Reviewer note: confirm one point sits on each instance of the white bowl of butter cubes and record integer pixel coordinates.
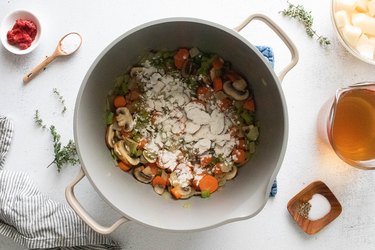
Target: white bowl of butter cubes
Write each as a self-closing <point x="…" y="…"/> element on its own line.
<point x="355" y="24"/>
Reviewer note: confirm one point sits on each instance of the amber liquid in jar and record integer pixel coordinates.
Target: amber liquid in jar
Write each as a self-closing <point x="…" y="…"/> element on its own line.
<point x="353" y="127"/>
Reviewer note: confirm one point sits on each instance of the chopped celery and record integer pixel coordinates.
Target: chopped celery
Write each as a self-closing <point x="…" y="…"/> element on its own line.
<point x="251" y="147"/>
<point x="137" y="136"/>
<point x="109" y="118"/>
<point x="205" y="194"/>
<point x="204" y="67"/>
<point x="253" y="133"/>
<point x="247" y="117"/>
<point x="114" y="156"/>
<point x="194" y="52"/>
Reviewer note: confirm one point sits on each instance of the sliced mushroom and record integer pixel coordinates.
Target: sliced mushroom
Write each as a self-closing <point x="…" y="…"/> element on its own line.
<point x="230" y="175"/>
<point x="226" y="167"/>
<point x="122" y="153"/>
<point x="110" y="136"/>
<point x="159" y="189"/>
<point x="143" y="175"/>
<point x="149" y="156"/>
<point x="235" y="89"/>
<point x="186" y="192"/>
<point x="240" y="84"/>
<point x="124" y="119"/>
<point x="189" y="68"/>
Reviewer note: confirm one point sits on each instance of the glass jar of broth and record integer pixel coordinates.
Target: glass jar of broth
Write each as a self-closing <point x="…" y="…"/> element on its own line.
<point x="347" y="123"/>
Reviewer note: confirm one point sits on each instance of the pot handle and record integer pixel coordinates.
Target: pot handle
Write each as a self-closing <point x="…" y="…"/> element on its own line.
<point x="283" y="36"/>
<point x="81" y="212"/>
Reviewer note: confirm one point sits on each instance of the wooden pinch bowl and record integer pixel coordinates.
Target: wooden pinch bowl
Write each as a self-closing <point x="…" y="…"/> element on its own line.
<point x="303" y="197"/>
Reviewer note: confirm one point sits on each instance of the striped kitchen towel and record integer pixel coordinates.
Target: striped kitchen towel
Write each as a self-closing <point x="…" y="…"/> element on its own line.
<point x="32" y="219"/>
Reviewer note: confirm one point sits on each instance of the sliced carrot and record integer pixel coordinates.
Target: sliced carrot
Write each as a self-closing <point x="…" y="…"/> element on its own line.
<point x="176" y="194"/>
<point x="218" y="84"/>
<point x="217" y="169"/>
<point x="154" y="168"/>
<point x="232" y="76"/>
<point x="142" y="143"/>
<point x="242" y="144"/>
<point x="119" y="101"/>
<point x="158" y="180"/>
<point x="180" y="58"/>
<point x="123" y="166"/>
<point x="205" y="160"/>
<point x="202" y="90"/>
<point x="249" y="104"/>
<point x="225" y="104"/>
<point x="208" y="183"/>
<point x="217" y="62"/>
<point x="239" y="155"/>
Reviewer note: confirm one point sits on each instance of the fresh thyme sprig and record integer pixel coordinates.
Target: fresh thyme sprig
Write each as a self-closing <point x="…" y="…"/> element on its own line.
<point x="61" y="99"/>
<point x="305" y="17"/>
<point x="39" y="120"/>
<point x="63" y="154"/>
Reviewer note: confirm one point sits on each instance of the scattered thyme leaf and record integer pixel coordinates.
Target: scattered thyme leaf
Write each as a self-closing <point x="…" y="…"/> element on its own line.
<point x="305" y="17"/>
<point x="39" y="120"/>
<point x="63" y="154"/>
<point x="61" y="99"/>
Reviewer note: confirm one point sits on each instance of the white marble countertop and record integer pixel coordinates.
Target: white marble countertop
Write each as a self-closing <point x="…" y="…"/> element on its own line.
<point x="314" y="79"/>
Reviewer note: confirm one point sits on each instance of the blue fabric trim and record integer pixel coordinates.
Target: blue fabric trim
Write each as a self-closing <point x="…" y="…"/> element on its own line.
<point x="267" y="52"/>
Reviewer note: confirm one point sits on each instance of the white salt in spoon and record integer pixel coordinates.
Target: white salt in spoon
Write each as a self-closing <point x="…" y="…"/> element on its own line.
<point x="67" y="45"/>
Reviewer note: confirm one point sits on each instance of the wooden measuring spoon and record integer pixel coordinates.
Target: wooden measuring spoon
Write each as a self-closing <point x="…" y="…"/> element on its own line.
<point x="67" y="45"/>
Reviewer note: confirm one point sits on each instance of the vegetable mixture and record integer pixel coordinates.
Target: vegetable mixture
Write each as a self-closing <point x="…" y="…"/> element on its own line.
<point x="182" y="121"/>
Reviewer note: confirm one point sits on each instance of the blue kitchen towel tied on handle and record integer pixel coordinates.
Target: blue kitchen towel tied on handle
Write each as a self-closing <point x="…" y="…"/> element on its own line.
<point x="267" y="52"/>
<point x="35" y="221"/>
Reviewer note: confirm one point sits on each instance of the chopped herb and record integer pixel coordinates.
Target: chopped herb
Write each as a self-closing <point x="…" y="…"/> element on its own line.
<point x="121" y="85"/>
<point x="63" y="154"/>
<point x="61" y="99"/>
<point x="305" y="17"/>
<point x="39" y="120"/>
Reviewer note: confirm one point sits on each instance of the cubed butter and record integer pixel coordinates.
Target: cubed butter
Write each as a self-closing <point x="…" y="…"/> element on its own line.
<point x="361" y="5"/>
<point x="342" y="19"/>
<point x="371" y="40"/>
<point x="366" y="50"/>
<point x="351" y="34"/>
<point x="371" y="8"/>
<point x="363" y="39"/>
<point x="358" y="19"/>
<point x="365" y="22"/>
<point x="348" y="5"/>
